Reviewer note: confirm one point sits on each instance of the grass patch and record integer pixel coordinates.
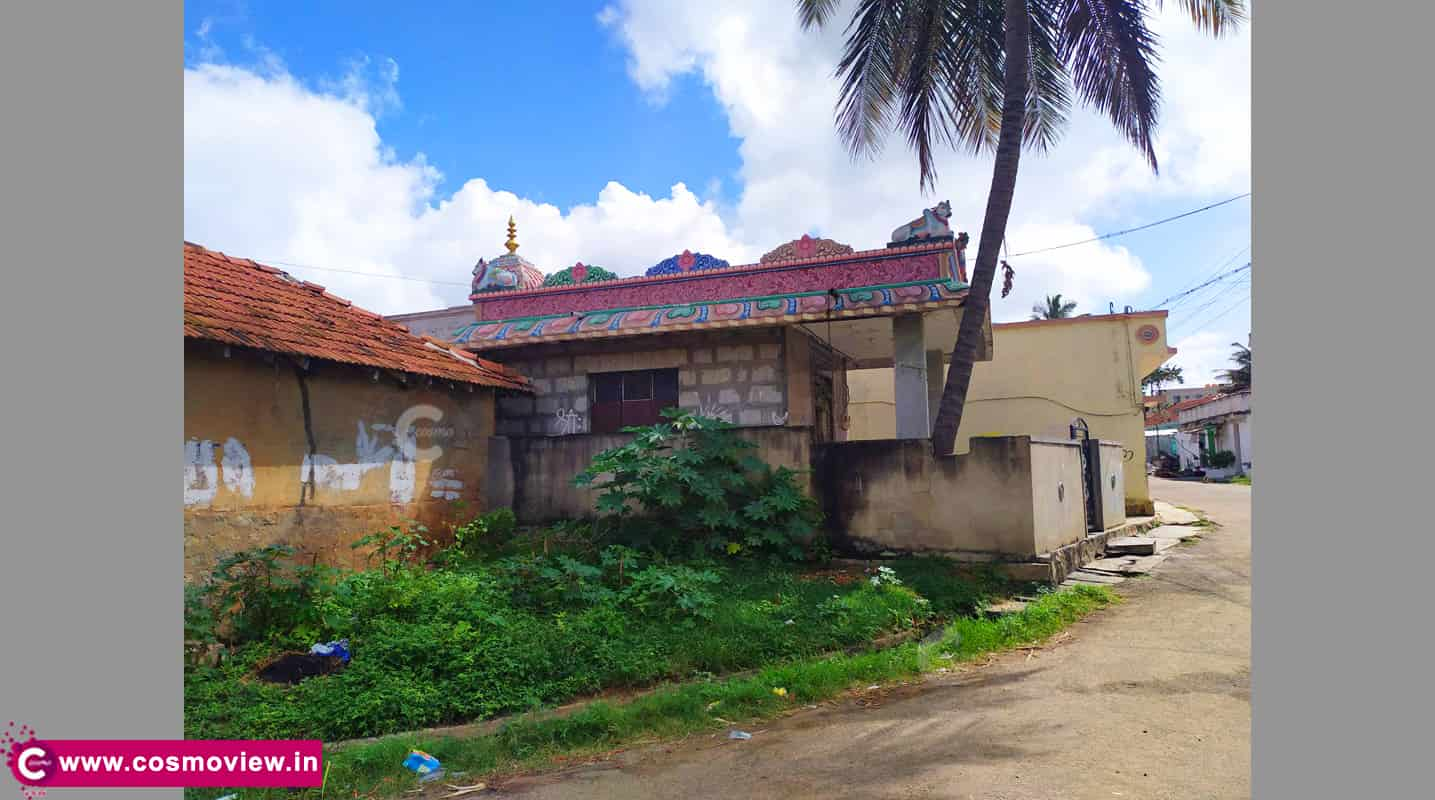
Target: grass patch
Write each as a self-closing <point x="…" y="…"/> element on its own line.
<point x="698" y="707"/>
<point x="488" y="638"/>
<point x="1241" y="480"/>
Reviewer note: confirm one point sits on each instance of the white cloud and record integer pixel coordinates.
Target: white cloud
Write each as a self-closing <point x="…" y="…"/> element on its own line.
<point x="1204" y="355"/>
<point x="775" y="83"/>
<point x="278" y="170"/>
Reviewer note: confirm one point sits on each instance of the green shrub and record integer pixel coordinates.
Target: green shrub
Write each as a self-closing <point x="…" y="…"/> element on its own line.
<point x="1220" y="459"/>
<point x="671" y="591"/>
<point x="261" y="594"/>
<point x="395" y="547"/>
<point x="486" y="534"/>
<point x="691" y="484"/>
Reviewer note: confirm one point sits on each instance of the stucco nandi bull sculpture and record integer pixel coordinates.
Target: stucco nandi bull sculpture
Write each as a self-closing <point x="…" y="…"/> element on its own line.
<point x="931" y="225"/>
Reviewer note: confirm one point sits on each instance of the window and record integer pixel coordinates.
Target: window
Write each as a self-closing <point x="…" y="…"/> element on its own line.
<point x="621" y="399"/>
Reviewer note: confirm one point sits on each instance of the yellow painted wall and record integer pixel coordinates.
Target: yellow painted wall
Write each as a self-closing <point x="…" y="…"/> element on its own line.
<point x="1041" y="377"/>
<point x="246" y="440"/>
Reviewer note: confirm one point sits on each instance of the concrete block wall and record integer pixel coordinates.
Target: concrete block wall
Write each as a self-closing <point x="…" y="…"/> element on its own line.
<point x="1009" y="497"/>
<point x="534" y="475"/>
<point x="739" y="376"/>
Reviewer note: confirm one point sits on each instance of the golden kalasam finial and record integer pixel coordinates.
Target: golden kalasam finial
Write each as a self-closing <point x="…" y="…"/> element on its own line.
<point x="512" y="243"/>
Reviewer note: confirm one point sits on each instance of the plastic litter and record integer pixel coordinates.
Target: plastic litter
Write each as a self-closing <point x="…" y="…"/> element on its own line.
<point x="228" y="797"/>
<point x="737" y="734"/>
<point x="338" y="648"/>
<point x="424" y="765"/>
<point x="779" y="691"/>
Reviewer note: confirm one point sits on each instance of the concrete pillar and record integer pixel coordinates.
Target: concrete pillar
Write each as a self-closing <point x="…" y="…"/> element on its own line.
<point x="936" y="382"/>
<point x="909" y="375"/>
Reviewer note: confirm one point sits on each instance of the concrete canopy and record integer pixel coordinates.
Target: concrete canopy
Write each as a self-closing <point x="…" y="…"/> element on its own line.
<point x="868" y="340"/>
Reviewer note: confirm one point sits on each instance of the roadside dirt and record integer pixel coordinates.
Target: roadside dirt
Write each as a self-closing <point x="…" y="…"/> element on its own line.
<point x="1148" y="699"/>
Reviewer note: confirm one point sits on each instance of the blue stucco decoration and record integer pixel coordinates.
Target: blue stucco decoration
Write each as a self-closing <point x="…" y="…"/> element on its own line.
<point x="686" y="261"/>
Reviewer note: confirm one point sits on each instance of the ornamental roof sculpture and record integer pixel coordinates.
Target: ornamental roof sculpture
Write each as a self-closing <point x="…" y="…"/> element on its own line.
<point x="508" y="271"/>
<point x="806" y="247"/>
<point x="686" y="261"/>
<point x="579" y="273"/>
<point x="931" y="225"/>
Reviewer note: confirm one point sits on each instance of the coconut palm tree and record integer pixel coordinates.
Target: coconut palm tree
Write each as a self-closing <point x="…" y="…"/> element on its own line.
<point x="1240" y="377"/>
<point x="1160" y="376"/>
<point x="938" y="71"/>
<point x="1053" y="308"/>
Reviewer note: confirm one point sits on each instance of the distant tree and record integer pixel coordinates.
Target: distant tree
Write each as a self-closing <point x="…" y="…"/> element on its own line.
<point x="1160" y="376"/>
<point x="1240" y="377"/>
<point x="1053" y="309"/>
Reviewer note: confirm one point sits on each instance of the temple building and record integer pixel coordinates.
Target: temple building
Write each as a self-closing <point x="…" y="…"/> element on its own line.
<point x="760" y="345"/>
<point x="771" y="347"/>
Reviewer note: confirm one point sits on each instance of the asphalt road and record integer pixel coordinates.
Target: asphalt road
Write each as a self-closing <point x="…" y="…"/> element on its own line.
<point x="1147" y="699"/>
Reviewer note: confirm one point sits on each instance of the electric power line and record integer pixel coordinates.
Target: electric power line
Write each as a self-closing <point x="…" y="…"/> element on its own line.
<point x="1114" y="234"/>
<point x="1223" y="265"/>
<point x="1208" y="323"/>
<point x="1216" y="279"/>
<point x="358" y="272"/>
<point x="1102" y="237"/>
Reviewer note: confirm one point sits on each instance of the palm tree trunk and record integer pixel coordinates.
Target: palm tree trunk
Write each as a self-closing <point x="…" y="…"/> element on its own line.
<point x="999" y="199"/>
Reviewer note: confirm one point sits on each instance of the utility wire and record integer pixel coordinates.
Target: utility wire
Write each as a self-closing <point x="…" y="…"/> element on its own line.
<point x="1010" y="256"/>
<point x="357" y="272"/>
<point x="1223" y="265"/>
<point x="1114" y="234"/>
<point x="1208" y="323"/>
<point x="1220" y="277"/>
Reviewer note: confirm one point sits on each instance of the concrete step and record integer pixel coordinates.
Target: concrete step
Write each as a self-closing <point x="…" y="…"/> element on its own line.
<point x="1086" y="576"/>
<point x="1131" y="546"/>
<point x="1125" y="565"/>
<point x="1171" y="515"/>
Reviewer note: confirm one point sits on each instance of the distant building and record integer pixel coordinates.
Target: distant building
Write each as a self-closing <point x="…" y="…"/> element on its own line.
<point x="1044" y="374"/>
<point x="1180" y="394"/>
<point x="440" y="324"/>
<point x="1210" y="427"/>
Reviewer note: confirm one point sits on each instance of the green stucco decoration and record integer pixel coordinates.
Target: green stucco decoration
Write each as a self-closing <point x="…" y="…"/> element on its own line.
<point x="579" y="273"/>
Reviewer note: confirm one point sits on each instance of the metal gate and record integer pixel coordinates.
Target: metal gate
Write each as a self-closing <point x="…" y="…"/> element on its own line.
<point x="1090" y="450"/>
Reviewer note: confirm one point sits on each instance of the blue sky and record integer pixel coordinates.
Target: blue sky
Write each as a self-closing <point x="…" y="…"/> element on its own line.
<point x="392" y="139"/>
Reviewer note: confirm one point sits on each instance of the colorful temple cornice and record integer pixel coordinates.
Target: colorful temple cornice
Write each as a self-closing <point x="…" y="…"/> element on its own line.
<point x="806" y="306"/>
<point x="802" y="280"/>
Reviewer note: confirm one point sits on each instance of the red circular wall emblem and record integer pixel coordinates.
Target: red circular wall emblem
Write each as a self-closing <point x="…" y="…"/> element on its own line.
<point x="1148" y="333"/>
<point x="686" y="260"/>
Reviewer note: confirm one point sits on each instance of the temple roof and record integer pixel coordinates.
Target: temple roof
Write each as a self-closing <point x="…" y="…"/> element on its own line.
<point x="836" y="286"/>
<point x="507" y="272"/>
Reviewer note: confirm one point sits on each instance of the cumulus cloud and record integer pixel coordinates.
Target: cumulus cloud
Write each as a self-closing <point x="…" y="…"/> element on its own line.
<point x="277" y="169"/>
<point x="282" y="172"/>
<point x="1203" y="356"/>
<point x="775" y="83"/>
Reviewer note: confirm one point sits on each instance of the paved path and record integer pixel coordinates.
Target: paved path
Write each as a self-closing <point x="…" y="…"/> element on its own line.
<point x="1149" y="699"/>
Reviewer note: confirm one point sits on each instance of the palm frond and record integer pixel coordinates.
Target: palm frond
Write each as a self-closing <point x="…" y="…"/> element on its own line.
<point x="1216" y="17"/>
<point x="929" y="108"/>
<point x="871" y="80"/>
<point x="815" y="13"/>
<point x="1048" y="98"/>
<point x="1112" y="57"/>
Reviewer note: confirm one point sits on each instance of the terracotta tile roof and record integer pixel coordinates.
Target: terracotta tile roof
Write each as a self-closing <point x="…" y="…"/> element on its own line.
<point x="1168" y="415"/>
<point x="240" y="302"/>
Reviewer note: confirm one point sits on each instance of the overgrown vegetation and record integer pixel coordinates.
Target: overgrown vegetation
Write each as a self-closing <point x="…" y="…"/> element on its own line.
<point x="691" y="485"/>
<point x="699" y="706"/>
<point x="702" y="562"/>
